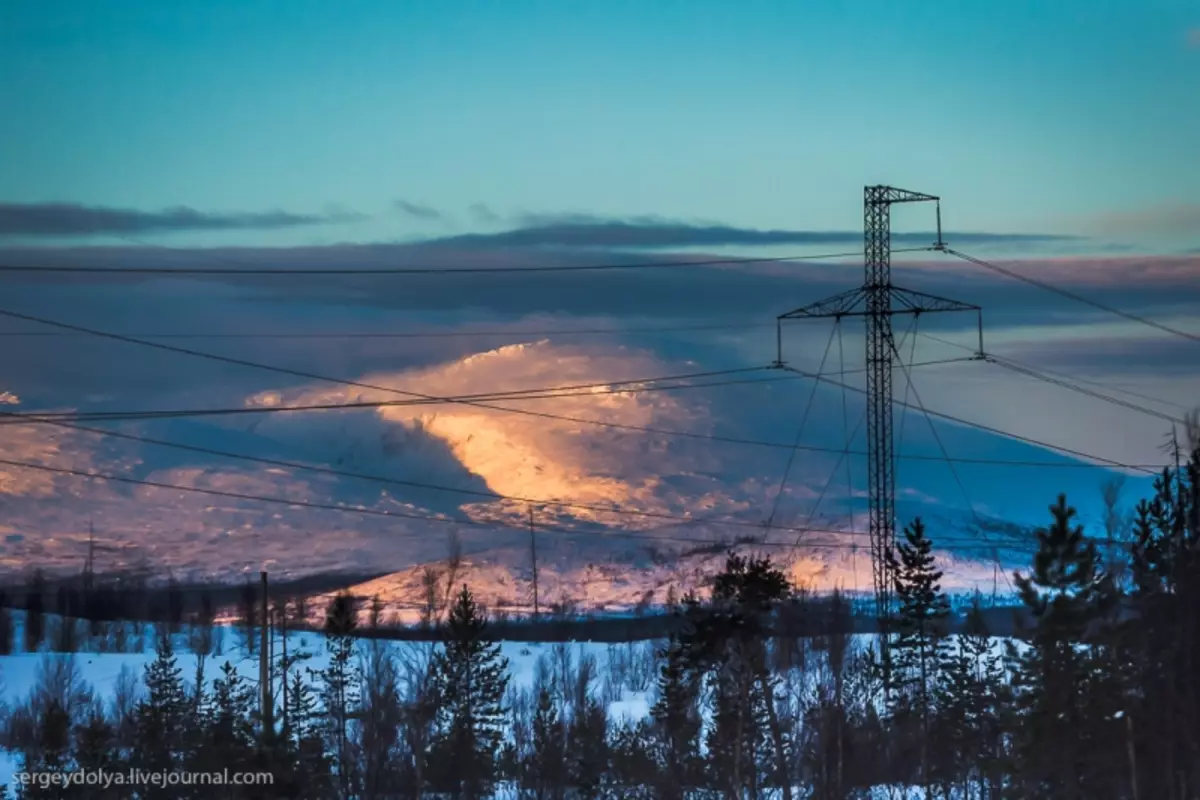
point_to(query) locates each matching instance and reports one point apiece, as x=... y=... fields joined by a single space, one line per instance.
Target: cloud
x=73 y=219
x=1175 y=218
x=483 y=214
x=417 y=210
x=651 y=232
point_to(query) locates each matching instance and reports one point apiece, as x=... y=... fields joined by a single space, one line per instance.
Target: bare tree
x=454 y=560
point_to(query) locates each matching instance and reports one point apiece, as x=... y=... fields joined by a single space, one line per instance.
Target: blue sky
x=1024 y=116
x=1061 y=136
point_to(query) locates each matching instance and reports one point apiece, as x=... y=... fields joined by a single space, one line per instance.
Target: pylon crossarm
x=890 y=194
x=845 y=304
x=912 y=300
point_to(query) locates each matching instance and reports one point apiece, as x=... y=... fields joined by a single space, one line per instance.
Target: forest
x=1094 y=698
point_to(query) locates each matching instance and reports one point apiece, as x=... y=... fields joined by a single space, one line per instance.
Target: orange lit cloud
x=536 y=457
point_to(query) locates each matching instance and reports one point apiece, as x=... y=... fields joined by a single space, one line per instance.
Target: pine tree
x=677 y=724
x=228 y=738
x=163 y=720
x=313 y=768
x=921 y=628
x=1060 y=595
x=379 y=729
x=588 y=765
x=49 y=753
x=965 y=730
x=727 y=642
x=471 y=678
x=96 y=752
x=544 y=771
x=340 y=688
x=1161 y=637
x=634 y=773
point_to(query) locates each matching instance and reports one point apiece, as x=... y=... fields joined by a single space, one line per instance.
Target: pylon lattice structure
x=877 y=301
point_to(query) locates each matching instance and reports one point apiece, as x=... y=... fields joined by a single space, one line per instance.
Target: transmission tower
x=877 y=301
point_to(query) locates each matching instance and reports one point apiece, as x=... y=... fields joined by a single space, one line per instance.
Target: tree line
x=1096 y=699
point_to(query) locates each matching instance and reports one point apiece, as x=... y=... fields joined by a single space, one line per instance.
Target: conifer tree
x=544 y=772
x=163 y=720
x=921 y=628
x=677 y=724
x=96 y=752
x=380 y=713
x=313 y=769
x=340 y=686
x=1060 y=595
x=49 y=753
x=228 y=728
x=471 y=678
x=588 y=762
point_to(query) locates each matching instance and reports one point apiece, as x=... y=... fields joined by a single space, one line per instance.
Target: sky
x=1060 y=137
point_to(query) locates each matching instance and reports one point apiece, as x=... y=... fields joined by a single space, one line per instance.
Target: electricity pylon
x=877 y=301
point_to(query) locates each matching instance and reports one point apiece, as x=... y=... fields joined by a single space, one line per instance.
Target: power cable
x=264 y=271
x=946 y=455
x=1006 y=434
x=33 y=417
x=1032 y=373
x=800 y=431
x=849 y=437
x=577 y=390
x=299 y=465
x=516 y=332
x=1079 y=379
x=1073 y=296
x=539 y=414
x=371 y=511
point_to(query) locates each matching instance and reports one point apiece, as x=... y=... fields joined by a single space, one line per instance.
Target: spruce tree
x=921 y=627
x=588 y=763
x=1060 y=595
x=163 y=720
x=726 y=642
x=544 y=771
x=50 y=752
x=228 y=738
x=340 y=685
x=677 y=724
x=313 y=767
x=96 y=752
x=471 y=678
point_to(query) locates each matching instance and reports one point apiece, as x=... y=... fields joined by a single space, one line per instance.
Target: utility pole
x=877 y=300
x=533 y=553
x=89 y=566
x=264 y=660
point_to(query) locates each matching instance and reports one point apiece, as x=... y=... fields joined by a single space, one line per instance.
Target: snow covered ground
x=101 y=671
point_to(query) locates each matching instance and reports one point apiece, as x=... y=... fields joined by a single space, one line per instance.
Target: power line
x=261 y=271
x=379 y=512
x=516 y=332
x=1066 y=376
x=526 y=412
x=800 y=431
x=945 y=453
x=1073 y=296
x=1032 y=373
x=298 y=465
x=581 y=390
x=999 y=432
x=848 y=435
